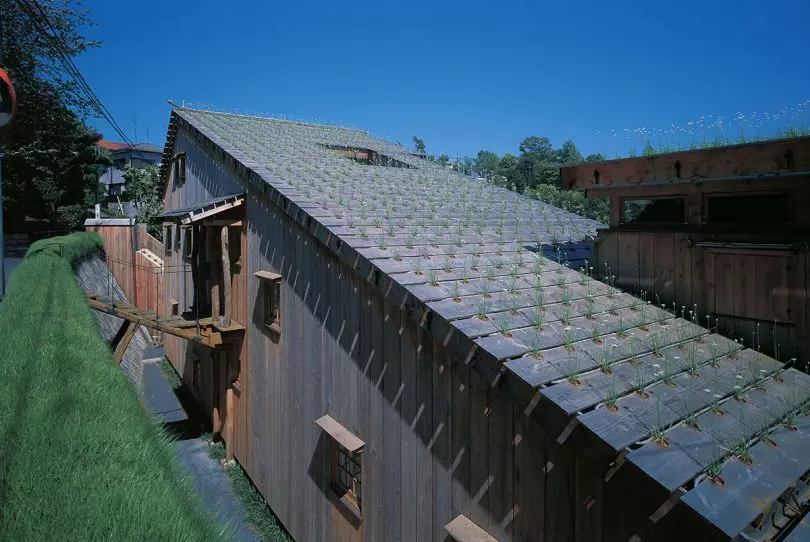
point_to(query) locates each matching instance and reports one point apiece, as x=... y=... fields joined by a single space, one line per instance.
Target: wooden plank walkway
x=205 y=331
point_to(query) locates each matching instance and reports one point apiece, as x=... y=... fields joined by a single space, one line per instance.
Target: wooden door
x=756 y=296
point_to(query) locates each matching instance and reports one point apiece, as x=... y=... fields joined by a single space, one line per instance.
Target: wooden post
x=216 y=417
x=194 y=238
x=212 y=273
x=132 y=327
x=229 y=419
x=226 y=278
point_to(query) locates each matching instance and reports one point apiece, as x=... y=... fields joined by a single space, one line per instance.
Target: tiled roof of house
x=681 y=404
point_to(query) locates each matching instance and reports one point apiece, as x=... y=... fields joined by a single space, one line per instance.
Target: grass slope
x=79 y=457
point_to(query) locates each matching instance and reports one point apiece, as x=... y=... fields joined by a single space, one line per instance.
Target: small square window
x=346 y=457
x=346 y=475
x=270 y=295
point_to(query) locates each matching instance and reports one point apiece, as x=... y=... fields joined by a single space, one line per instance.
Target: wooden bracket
x=121 y=347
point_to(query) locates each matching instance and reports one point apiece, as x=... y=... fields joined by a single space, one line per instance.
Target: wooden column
x=226 y=278
x=216 y=358
x=212 y=273
x=194 y=239
x=228 y=372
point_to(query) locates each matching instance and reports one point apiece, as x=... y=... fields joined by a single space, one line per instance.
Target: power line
x=64 y=57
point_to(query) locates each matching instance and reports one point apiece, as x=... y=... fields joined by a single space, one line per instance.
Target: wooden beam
x=226 y=278
x=206 y=337
x=463 y=529
x=122 y=346
x=234 y=223
x=191 y=218
x=343 y=436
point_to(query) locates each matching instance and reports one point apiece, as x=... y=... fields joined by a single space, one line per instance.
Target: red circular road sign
x=8 y=100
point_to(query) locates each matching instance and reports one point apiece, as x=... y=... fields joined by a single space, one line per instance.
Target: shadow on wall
x=469 y=464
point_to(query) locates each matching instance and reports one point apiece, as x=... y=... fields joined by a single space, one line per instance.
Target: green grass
x=79 y=457
x=258 y=515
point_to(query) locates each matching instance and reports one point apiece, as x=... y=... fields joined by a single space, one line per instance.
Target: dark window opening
x=167 y=239
x=346 y=468
x=270 y=293
x=367 y=157
x=659 y=210
x=749 y=208
x=189 y=244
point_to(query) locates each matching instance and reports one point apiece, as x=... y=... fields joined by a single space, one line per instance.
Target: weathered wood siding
x=206 y=177
x=119 y=252
x=440 y=441
x=740 y=286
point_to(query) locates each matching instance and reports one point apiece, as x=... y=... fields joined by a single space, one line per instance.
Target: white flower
x=707 y=390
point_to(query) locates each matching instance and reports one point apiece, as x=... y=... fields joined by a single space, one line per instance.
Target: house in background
x=123 y=156
x=389 y=357
x=726 y=229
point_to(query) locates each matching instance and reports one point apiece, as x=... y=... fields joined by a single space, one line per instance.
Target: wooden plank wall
x=440 y=441
x=145 y=240
x=741 y=287
x=148 y=283
x=120 y=255
x=206 y=178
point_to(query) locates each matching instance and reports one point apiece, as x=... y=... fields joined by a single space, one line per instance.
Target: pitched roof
x=457 y=255
x=111 y=145
x=142 y=147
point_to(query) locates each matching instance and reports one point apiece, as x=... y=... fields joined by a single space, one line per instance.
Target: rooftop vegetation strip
x=77 y=442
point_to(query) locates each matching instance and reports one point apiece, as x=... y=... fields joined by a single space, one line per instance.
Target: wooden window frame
x=270 y=293
x=345 y=451
x=168 y=230
x=648 y=224
x=704 y=211
x=179 y=169
x=188 y=243
x=347 y=472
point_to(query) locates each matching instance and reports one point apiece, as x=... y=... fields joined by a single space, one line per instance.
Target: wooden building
x=412 y=368
x=724 y=228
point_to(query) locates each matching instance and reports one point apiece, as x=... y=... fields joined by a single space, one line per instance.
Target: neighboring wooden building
x=411 y=369
x=724 y=228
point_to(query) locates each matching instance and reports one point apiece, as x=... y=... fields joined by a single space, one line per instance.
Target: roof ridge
x=275 y=119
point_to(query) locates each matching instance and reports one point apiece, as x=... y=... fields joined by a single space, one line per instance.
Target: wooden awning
x=200 y=211
x=343 y=436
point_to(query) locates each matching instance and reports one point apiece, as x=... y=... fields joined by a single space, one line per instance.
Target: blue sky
x=464 y=76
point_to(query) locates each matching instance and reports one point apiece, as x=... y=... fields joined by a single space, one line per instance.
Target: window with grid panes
x=346 y=472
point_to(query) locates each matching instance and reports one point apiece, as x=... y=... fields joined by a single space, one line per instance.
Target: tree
x=487 y=162
x=568 y=154
x=419 y=144
x=443 y=160
x=143 y=185
x=596 y=157
x=51 y=158
x=538 y=146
